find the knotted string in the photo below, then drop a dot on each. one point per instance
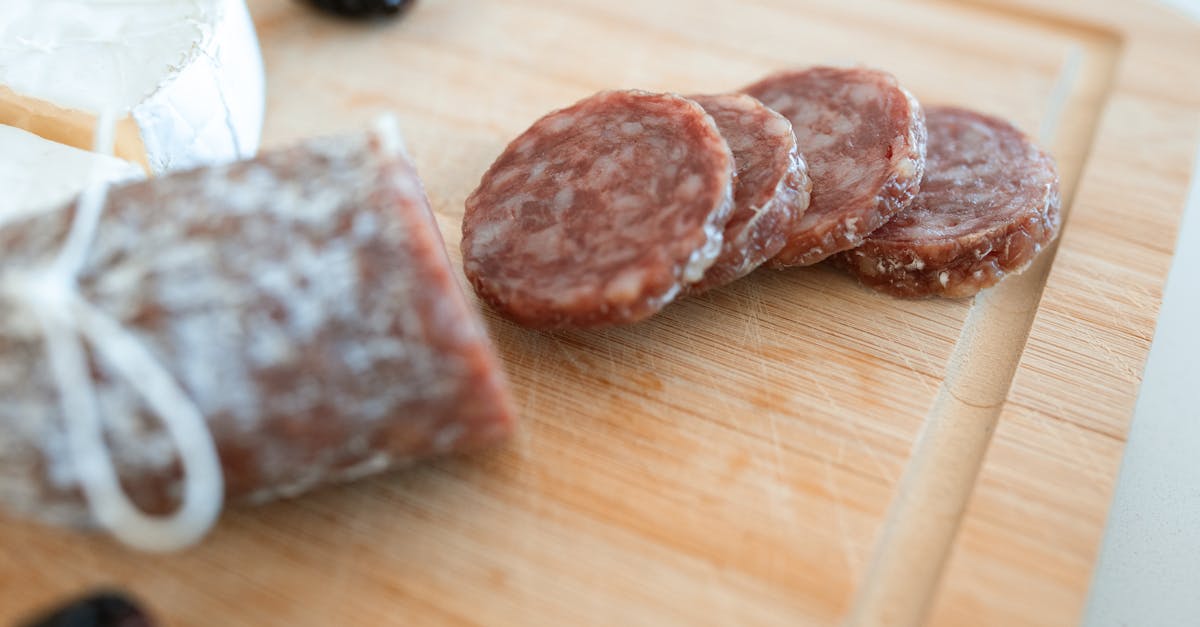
(66, 319)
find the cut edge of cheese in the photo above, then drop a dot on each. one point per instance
(208, 111)
(38, 174)
(69, 127)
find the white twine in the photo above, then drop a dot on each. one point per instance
(52, 294)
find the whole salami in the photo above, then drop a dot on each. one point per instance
(772, 188)
(600, 213)
(301, 304)
(989, 204)
(863, 136)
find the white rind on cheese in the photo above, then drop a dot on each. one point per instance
(229, 70)
(37, 174)
(186, 76)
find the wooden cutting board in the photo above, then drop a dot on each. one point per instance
(790, 450)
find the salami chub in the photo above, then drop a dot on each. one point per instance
(772, 189)
(303, 302)
(600, 213)
(863, 136)
(988, 205)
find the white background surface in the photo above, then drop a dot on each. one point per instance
(1149, 568)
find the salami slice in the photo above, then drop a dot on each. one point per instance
(863, 136)
(600, 213)
(772, 188)
(304, 304)
(988, 205)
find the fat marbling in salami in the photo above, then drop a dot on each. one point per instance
(772, 188)
(863, 136)
(989, 203)
(600, 213)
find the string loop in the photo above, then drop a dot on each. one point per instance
(67, 320)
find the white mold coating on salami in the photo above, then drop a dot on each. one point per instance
(988, 205)
(600, 213)
(863, 136)
(302, 300)
(772, 189)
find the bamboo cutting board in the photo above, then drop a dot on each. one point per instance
(792, 449)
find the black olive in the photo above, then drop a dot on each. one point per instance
(363, 8)
(105, 609)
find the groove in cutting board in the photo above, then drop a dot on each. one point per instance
(923, 520)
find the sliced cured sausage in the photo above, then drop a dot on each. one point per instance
(600, 213)
(304, 304)
(772, 188)
(863, 136)
(989, 203)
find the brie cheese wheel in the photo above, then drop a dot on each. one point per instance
(37, 174)
(184, 77)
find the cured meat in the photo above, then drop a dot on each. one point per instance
(600, 213)
(863, 136)
(302, 301)
(989, 204)
(772, 188)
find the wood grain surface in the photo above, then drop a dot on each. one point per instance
(792, 449)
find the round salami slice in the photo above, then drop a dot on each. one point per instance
(988, 205)
(863, 136)
(772, 188)
(600, 213)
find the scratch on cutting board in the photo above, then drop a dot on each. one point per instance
(849, 553)
(772, 419)
(610, 356)
(1137, 296)
(1131, 374)
(920, 346)
(524, 439)
(965, 402)
(718, 591)
(753, 324)
(880, 467)
(1082, 452)
(781, 490)
(905, 361)
(1060, 410)
(1118, 317)
(853, 430)
(567, 353)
